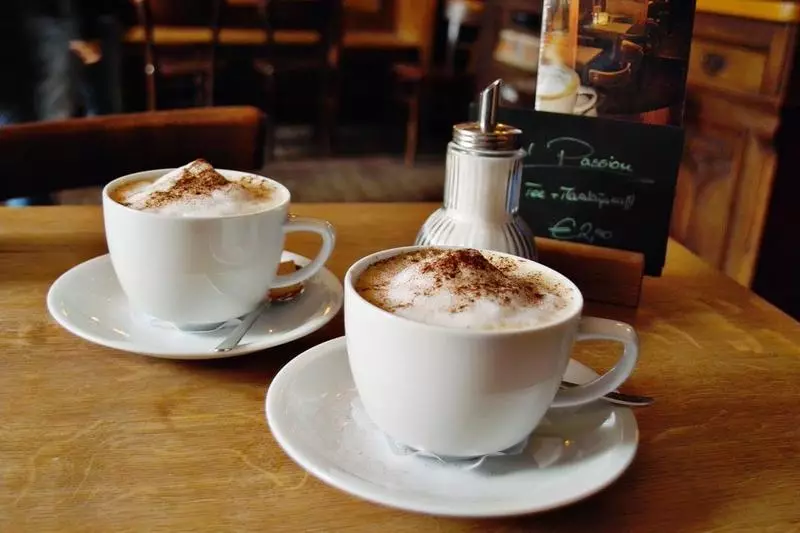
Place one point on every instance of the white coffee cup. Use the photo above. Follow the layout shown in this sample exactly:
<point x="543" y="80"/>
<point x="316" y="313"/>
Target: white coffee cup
<point x="557" y="91"/>
<point x="197" y="272"/>
<point x="464" y="392"/>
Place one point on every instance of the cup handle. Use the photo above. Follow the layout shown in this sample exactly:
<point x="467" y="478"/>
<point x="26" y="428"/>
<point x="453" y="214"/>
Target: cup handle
<point x="325" y="230"/>
<point x="589" y="104"/>
<point x="599" y="328"/>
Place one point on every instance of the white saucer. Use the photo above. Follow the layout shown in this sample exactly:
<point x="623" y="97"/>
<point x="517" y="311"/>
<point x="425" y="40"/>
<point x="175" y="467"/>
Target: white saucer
<point x="88" y="301"/>
<point x="315" y="415"/>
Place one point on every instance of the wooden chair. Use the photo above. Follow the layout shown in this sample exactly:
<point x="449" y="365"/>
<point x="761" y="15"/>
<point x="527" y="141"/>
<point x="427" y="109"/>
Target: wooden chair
<point x="324" y="20"/>
<point x="415" y="79"/>
<point x="611" y="80"/>
<point x="648" y="35"/>
<point x="43" y="157"/>
<point x="632" y="54"/>
<point x="195" y="61"/>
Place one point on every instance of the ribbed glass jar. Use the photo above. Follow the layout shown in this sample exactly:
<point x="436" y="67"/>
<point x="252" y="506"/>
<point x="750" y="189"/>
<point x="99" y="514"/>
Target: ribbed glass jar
<point x="481" y="204"/>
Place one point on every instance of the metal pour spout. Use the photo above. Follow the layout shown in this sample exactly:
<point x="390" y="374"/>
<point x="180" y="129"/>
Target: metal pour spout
<point x="487" y="110"/>
<point x="486" y="133"/>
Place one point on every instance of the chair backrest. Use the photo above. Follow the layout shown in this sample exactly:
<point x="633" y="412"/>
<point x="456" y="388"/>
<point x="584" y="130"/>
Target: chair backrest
<point x="153" y="14"/>
<point x="634" y="10"/>
<point x="323" y="18"/>
<point x="178" y="13"/>
<point x="631" y="53"/>
<point x="93" y="151"/>
<point x="619" y="78"/>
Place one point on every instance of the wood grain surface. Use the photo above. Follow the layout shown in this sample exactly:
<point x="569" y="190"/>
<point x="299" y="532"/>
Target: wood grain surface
<point x="771" y="10"/>
<point x="602" y="274"/>
<point x="95" y="440"/>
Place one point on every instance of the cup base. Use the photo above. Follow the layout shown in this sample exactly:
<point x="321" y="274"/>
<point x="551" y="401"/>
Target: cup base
<point x="209" y="327"/>
<point x="465" y="462"/>
<point x="201" y="328"/>
<point x="361" y="418"/>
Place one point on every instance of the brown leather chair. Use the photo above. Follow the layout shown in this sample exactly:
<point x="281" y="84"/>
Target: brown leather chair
<point x="43" y="157"/>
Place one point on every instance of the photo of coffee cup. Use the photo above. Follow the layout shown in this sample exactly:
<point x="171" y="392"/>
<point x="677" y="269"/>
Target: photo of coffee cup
<point x="461" y="352"/>
<point x="558" y="90"/>
<point x="199" y="257"/>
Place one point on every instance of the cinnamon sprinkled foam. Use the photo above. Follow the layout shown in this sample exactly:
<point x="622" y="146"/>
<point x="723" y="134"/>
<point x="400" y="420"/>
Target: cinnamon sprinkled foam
<point x="465" y="289"/>
<point x="197" y="189"/>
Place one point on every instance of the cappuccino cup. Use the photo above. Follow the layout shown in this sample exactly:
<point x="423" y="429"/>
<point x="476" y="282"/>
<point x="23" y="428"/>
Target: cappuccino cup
<point x="197" y="272"/>
<point x="468" y="373"/>
<point x="557" y="91"/>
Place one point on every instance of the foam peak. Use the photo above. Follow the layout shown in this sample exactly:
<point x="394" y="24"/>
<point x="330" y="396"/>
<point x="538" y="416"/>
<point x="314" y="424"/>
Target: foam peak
<point x="197" y="189"/>
<point x="464" y="288"/>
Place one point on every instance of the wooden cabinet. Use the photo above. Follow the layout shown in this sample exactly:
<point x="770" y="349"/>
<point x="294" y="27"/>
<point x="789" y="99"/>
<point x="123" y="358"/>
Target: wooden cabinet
<point x="706" y="189"/>
<point x="740" y="75"/>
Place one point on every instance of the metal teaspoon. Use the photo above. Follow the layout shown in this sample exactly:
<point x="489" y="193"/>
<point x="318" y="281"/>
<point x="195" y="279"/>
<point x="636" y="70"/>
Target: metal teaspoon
<point x="232" y="340"/>
<point x="618" y="398"/>
<point x="235" y="337"/>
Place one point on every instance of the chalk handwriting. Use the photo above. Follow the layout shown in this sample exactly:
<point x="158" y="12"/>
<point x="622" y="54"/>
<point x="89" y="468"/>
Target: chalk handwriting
<point x="537" y="191"/>
<point x="568" y="229"/>
<point x="571" y="151"/>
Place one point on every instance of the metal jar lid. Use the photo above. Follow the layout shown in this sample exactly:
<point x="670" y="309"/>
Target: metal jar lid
<point x="487" y="134"/>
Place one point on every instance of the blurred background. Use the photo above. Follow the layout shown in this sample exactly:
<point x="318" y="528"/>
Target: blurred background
<point x="361" y="95"/>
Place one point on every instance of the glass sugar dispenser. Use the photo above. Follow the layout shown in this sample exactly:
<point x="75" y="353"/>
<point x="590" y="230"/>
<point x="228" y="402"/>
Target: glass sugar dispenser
<point x="482" y="186"/>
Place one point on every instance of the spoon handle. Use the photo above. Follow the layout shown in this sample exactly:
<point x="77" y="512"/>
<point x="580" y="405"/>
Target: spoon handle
<point x="619" y="398"/>
<point x="232" y="340"/>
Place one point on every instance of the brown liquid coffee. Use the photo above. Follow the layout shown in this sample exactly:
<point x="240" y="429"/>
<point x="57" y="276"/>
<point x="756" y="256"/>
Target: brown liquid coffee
<point x="465" y="288"/>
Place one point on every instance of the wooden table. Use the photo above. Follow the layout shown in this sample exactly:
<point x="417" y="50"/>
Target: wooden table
<point x="95" y="440"/>
<point x="586" y="54"/>
<point x="406" y="29"/>
<point x="611" y="29"/>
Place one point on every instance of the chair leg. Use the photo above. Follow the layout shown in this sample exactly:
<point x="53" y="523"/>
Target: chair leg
<point x="150" y="87"/>
<point x="199" y="89"/>
<point x="412" y="126"/>
<point x="328" y="110"/>
<point x="269" y="111"/>
<point x="269" y="142"/>
<point x="330" y="117"/>
<point x="326" y="126"/>
<point x="208" y="89"/>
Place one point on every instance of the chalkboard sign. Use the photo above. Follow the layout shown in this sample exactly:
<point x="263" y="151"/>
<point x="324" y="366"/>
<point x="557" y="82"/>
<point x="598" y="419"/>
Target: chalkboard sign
<point x="598" y="181"/>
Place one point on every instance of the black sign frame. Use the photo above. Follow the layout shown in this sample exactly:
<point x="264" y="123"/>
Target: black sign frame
<point x="598" y="181"/>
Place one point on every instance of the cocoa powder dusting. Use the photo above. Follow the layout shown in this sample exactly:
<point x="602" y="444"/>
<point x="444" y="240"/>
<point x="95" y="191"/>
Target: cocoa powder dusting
<point x="188" y="185"/>
<point x="471" y="276"/>
<point x="200" y="179"/>
<point x="465" y="273"/>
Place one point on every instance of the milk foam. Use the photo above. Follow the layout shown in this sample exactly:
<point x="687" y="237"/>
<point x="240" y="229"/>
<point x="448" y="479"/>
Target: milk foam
<point x="197" y="190"/>
<point x="500" y="294"/>
<point x="553" y="80"/>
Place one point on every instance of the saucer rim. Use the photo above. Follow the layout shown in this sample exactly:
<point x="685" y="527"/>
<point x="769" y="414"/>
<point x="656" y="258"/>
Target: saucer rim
<point x="359" y="488"/>
<point x="304" y="329"/>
